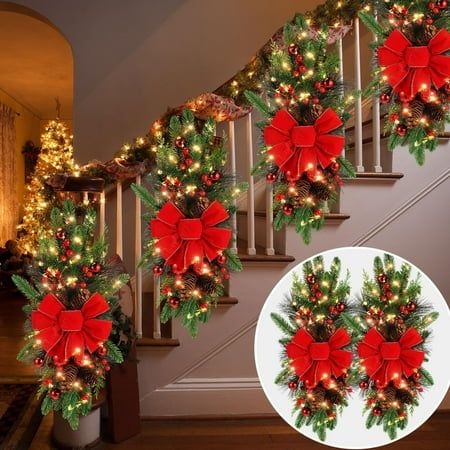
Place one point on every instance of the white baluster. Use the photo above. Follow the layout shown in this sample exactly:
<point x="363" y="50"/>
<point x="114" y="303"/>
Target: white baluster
<point x="232" y="141"/>
<point x="376" y="128"/>
<point x="251" y="248"/>
<point x="358" y="104"/>
<point x="270" y="250"/>
<point x="138" y="269"/>
<point x="341" y="76"/>
<point x="119" y="231"/>
<point x="101" y="224"/>
<point x="156" y="308"/>
<point x="85" y="198"/>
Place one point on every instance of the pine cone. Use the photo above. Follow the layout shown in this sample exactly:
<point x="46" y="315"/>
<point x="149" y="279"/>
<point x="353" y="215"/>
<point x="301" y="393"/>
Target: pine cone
<point x="87" y="376"/>
<point x="302" y="187"/>
<point x="181" y="204"/>
<point x="318" y="398"/>
<point x="217" y="141"/>
<point x="206" y="284"/>
<point x="391" y="331"/>
<point x="65" y="386"/>
<point x="189" y="284"/>
<point x="80" y="298"/>
<point x="416" y="108"/>
<point x="333" y="396"/>
<point x="321" y="332"/>
<point x="434" y="112"/>
<point x="404" y="396"/>
<point x="311" y="114"/>
<point x="198" y="206"/>
<point x="320" y="191"/>
<point x="70" y="372"/>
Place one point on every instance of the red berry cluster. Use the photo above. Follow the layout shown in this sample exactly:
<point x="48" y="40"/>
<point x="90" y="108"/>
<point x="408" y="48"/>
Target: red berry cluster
<point x="187" y="161"/>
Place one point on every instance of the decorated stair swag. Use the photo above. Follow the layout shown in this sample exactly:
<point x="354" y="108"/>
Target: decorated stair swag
<point x="302" y="136"/>
<point x="190" y="204"/>
<point x="392" y="328"/>
<point x="75" y="327"/>
<point x="412" y="76"/>
<point x="317" y="358"/>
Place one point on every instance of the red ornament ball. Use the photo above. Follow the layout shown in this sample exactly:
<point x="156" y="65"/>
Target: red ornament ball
<point x="89" y="274"/>
<point x="377" y="411"/>
<point x="382" y="278"/>
<point x="85" y="269"/>
<point x="63" y="258"/>
<point x="39" y="362"/>
<point x="182" y="166"/>
<point x="335" y="167"/>
<point x="83" y="285"/>
<point x="416" y="375"/>
<point x="401" y="129"/>
<point x="318" y="294"/>
<point x="174" y="302"/>
<point x="298" y="59"/>
<point x="363" y="384"/>
<point x="55" y="394"/>
<point x="385" y="98"/>
<point x="411" y="306"/>
<point x="60" y="234"/>
<point x="70" y="253"/>
<point x="441" y="4"/>
<point x="216" y="175"/>
<point x="315" y="100"/>
<point x="221" y="259"/>
<point x="293" y="49"/>
<point x="66" y="243"/>
<point x="386" y="287"/>
<point x="329" y="83"/>
<point x="288" y="209"/>
<point x="341" y="307"/>
<point x="293" y="385"/>
<point x="311" y="279"/>
<point x="180" y="142"/>
<point x="306" y="411"/>
<point x="302" y="68"/>
<point x="271" y="177"/>
<point x="431" y="5"/>
<point x="96" y="267"/>
<point x="102" y="351"/>
<point x="158" y="270"/>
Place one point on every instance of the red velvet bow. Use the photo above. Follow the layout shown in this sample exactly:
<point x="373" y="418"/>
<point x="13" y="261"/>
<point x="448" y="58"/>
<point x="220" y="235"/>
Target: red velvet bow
<point x="318" y="361"/>
<point x="297" y="149"/>
<point x="184" y="241"/>
<point x="412" y="69"/>
<point x="66" y="333"/>
<point x="388" y="361"/>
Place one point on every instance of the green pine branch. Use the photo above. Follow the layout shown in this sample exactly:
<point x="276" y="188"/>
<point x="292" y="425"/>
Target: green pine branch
<point x="257" y="102"/>
<point x="282" y="324"/>
<point x="371" y="22"/>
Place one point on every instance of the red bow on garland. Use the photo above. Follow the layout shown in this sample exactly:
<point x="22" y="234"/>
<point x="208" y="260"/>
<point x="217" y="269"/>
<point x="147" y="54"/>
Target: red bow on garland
<point x="298" y="149"/>
<point x="318" y="361"/>
<point x="412" y="69"/>
<point x="388" y="361"/>
<point x="66" y="333"/>
<point x="183" y="241"/>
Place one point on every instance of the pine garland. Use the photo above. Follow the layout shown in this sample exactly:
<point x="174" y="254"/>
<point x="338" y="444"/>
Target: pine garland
<point x="189" y="173"/>
<point x="302" y="79"/>
<point x="316" y="305"/>
<point x="417" y="121"/>
<point x="71" y="265"/>
<point x="390" y="303"/>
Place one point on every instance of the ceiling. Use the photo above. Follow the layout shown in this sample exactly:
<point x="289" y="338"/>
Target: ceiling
<point x="36" y="65"/>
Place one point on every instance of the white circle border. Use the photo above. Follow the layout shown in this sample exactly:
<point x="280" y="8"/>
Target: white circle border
<point x="351" y="432"/>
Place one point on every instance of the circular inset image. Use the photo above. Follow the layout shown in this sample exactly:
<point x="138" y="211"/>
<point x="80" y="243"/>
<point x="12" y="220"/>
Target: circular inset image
<point x="351" y="348"/>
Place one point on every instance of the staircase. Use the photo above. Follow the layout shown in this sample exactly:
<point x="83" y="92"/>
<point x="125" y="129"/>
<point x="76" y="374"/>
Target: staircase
<point x="214" y="374"/>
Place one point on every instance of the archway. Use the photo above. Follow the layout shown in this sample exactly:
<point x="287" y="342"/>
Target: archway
<point x="36" y="67"/>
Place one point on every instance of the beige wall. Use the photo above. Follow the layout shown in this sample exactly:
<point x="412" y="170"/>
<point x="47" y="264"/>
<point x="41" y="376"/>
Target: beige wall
<point x="27" y="128"/>
<point x="134" y="59"/>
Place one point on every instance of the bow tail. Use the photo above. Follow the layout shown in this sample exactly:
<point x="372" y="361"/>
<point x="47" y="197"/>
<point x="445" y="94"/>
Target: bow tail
<point x="307" y="161"/>
<point x="49" y="337"/>
<point x="74" y="345"/>
<point x="396" y="75"/>
<point x="281" y="154"/>
<point x="421" y="82"/>
<point x="95" y="306"/>
<point x="215" y="240"/>
<point x="373" y="364"/>
<point x="411" y="360"/>
<point x="96" y="331"/>
<point x="440" y="70"/>
<point x="394" y="371"/>
<point x="322" y="372"/>
<point x="193" y="253"/>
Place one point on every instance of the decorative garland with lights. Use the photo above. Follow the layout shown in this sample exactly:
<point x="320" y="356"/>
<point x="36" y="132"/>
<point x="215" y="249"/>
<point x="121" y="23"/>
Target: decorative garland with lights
<point x="189" y="207"/>
<point x="303" y="139"/>
<point x="392" y="329"/>
<point x="75" y="327"/>
<point x="413" y="73"/>
<point x="316" y="358"/>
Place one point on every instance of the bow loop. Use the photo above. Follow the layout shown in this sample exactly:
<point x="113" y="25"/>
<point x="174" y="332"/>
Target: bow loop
<point x="190" y="239"/>
<point x="412" y="69"/>
<point x="316" y="362"/>
<point x="388" y="361"/>
<point x="297" y="149"/>
<point x="66" y="333"/>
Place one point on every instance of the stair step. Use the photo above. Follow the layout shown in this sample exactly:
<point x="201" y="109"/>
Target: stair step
<point x="369" y="140"/>
<point x="328" y="217"/>
<point x="260" y="254"/>
<point x="227" y="301"/>
<point x="376" y="176"/>
<point x="162" y="342"/>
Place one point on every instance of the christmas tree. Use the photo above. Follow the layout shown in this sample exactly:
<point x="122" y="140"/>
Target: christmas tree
<point x="56" y="156"/>
<point x="75" y="328"/>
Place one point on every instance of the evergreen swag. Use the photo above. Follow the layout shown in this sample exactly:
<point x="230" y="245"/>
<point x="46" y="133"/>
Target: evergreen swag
<point x="416" y="112"/>
<point x="316" y="308"/>
<point x="301" y="91"/>
<point x="189" y="182"/>
<point x="70" y="273"/>
<point x="390" y="304"/>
